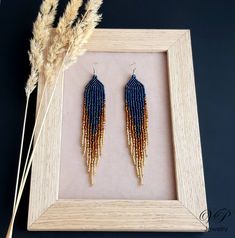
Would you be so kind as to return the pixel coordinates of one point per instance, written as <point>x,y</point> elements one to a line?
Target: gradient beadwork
<point>93,124</point>
<point>137,123</point>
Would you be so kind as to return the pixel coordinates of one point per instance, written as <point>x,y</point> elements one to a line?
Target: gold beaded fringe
<point>92,143</point>
<point>138,143</point>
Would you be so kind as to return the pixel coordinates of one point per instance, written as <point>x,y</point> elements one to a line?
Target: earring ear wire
<point>93,67</point>
<point>134,69</point>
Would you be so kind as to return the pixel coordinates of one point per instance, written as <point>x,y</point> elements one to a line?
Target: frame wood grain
<point>48,212</point>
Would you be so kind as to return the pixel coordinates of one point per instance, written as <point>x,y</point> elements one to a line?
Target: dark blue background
<point>212,25</point>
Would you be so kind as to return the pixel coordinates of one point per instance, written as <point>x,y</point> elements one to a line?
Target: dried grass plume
<point>83,30</point>
<point>51,51</point>
<point>60,39</point>
<point>41,34</point>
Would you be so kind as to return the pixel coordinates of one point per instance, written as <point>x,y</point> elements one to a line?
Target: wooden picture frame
<point>47,212</point>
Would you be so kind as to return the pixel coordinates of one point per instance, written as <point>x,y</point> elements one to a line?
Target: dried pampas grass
<point>51,52</point>
<point>61,38</point>
<point>83,30</point>
<point>41,34</point>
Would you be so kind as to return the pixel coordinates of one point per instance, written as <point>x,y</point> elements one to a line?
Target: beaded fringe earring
<point>136,123</point>
<point>93,124</point>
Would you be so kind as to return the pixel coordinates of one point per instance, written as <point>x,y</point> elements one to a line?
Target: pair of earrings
<point>93,122</point>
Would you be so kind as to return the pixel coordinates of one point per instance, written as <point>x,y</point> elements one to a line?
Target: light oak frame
<point>48,212</point>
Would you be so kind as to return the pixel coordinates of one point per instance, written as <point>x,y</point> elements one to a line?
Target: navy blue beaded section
<point>135,101</point>
<point>94,98</point>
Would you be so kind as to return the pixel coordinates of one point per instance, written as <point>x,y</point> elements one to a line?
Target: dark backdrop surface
<point>212,24</point>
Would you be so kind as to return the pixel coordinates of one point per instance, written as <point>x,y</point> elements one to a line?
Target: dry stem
<point>21,149</point>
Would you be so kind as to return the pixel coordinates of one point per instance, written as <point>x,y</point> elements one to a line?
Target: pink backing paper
<point>116,178</point>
